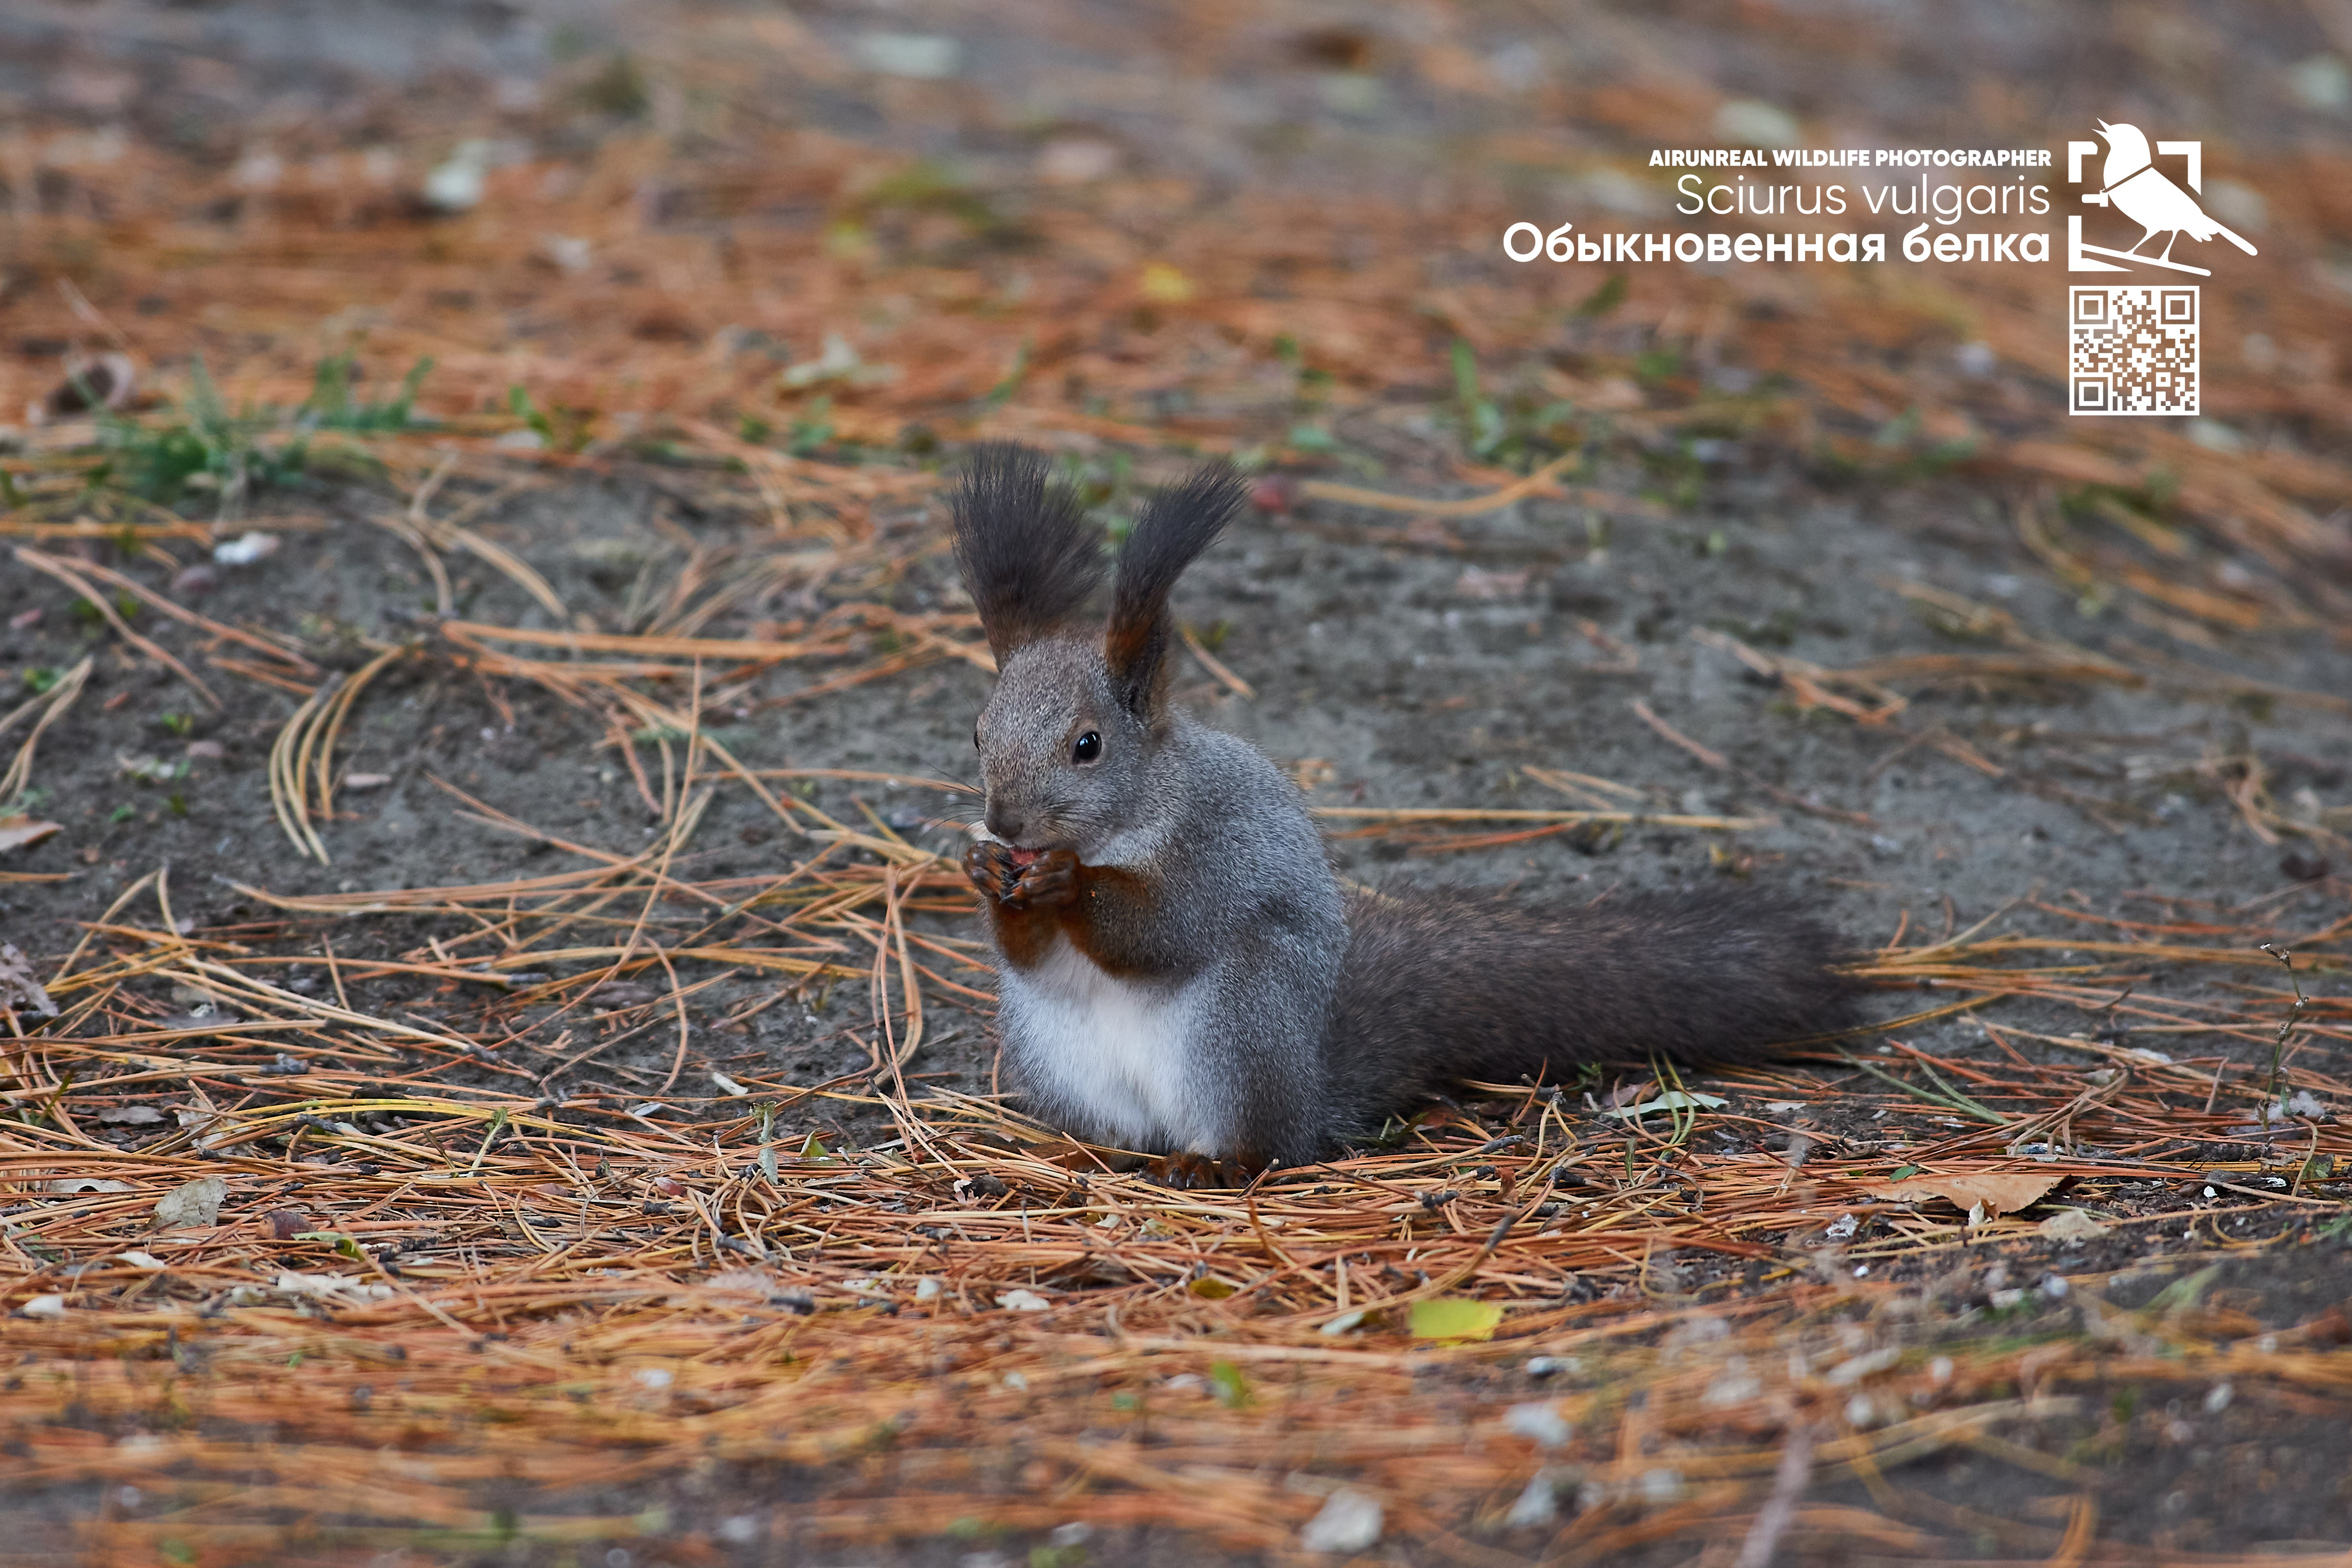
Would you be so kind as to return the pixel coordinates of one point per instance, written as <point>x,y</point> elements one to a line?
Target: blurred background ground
<point>701,299</point>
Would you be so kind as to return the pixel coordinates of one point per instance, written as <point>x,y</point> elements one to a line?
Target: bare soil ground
<point>2060,740</point>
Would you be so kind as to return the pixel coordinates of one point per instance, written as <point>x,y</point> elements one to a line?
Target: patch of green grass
<point>89,612</point>
<point>330,405</point>
<point>1482,418</point>
<point>933,187</point>
<point>1009,384</point>
<point>1681,475</point>
<point>1652,366</point>
<point>618,89</point>
<point>1105,485</point>
<point>560,426</point>
<point>154,771</point>
<point>1520,432</point>
<point>210,448</point>
<point>812,429</point>
<point>1605,299</point>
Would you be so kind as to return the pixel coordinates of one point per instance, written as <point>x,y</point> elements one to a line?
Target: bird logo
<point>2133,185</point>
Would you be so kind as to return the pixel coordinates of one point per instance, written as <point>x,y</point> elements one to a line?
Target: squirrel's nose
<point>1004,826</point>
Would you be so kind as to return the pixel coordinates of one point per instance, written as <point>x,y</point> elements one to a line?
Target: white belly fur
<point>1112,1051</point>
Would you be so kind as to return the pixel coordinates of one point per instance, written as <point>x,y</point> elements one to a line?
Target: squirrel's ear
<point>1026,550</point>
<point>1176,526</point>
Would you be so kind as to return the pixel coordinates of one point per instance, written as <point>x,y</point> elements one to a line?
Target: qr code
<point>2132,351</point>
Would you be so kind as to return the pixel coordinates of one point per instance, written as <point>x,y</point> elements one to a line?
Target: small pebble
<point>1348,1522</point>
<point>1539,1423</point>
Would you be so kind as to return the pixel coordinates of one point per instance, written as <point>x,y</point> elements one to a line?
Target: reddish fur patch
<point>1025,936</point>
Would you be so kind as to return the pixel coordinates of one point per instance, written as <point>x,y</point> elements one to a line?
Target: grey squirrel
<point>1179,971</point>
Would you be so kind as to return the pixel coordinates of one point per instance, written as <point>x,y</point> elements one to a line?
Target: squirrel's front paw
<point>1050,880</point>
<point>1022,878</point>
<point>990,866</point>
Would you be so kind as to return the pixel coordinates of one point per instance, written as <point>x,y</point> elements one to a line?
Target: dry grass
<point>447,1268</point>
<point>439,1267</point>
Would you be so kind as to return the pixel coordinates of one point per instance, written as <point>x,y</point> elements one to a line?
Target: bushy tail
<point>1445,985</point>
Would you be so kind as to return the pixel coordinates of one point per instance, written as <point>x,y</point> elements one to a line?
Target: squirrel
<point>1179,972</point>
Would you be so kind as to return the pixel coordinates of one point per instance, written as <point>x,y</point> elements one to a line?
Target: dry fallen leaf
<point>23,832</point>
<point>93,380</point>
<point>191,1202</point>
<point>325,1283</point>
<point>1997,1192</point>
<point>19,991</point>
<point>2072,1225</point>
<point>748,1284</point>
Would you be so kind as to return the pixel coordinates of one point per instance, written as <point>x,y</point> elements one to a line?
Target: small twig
<point>1780,1510</point>
<point>1950,1099</point>
<point>2272,1102</point>
<point>1711,758</point>
<point>53,704</point>
<point>1209,661</point>
<point>1722,763</point>
<point>113,617</point>
<point>1467,506</point>
<point>1568,818</point>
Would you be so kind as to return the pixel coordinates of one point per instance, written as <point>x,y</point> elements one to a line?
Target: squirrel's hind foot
<point>1189,1172</point>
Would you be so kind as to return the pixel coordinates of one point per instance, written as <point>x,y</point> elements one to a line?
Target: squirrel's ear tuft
<point>1177,525</point>
<point>1028,555</point>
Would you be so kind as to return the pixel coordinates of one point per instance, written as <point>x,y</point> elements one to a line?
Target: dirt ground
<point>1390,661</point>
<point>1399,675</point>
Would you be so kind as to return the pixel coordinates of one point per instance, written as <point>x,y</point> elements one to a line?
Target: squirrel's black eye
<point>1088,748</point>
<point>975,736</point>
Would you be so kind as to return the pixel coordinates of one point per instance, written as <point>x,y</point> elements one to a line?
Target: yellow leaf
<point>1455,1317</point>
<point>1164,285</point>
